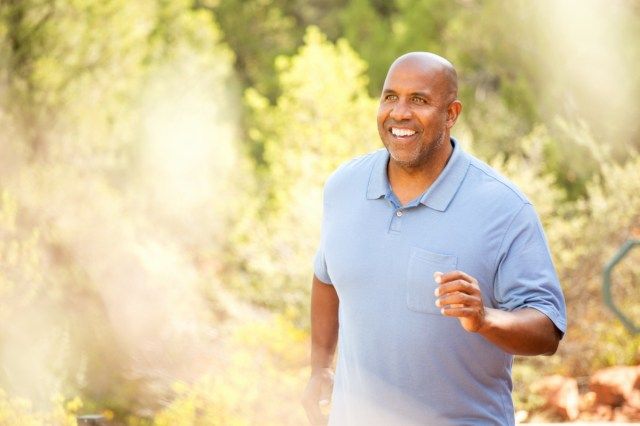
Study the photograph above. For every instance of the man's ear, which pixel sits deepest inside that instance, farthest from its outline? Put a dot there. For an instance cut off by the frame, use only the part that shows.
(453, 111)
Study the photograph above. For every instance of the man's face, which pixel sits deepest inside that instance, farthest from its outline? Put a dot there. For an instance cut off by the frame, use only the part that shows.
(412, 116)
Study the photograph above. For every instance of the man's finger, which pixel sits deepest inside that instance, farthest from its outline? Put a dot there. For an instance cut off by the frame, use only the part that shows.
(312, 409)
(460, 312)
(452, 275)
(315, 416)
(456, 286)
(457, 298)
(317, 395)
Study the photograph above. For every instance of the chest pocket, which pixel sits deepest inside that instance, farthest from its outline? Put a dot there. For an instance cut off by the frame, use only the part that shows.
(420, 283)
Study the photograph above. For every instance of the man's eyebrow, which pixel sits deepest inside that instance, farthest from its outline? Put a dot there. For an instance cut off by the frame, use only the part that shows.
(422, 94)
(418, 93)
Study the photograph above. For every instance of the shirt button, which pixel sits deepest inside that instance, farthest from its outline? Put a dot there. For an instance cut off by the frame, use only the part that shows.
(399, 213)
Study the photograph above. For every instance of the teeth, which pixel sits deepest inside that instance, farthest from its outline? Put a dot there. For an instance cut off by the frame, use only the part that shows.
(402, 132)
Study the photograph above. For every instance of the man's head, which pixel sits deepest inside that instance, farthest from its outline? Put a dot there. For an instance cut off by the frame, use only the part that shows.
(418, 107)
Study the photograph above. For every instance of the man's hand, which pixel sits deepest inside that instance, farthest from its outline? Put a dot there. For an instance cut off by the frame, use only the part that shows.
(318, 394)
(524, 331)
(459, 296)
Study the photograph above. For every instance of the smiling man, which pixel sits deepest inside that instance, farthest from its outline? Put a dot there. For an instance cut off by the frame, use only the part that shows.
(432, 272)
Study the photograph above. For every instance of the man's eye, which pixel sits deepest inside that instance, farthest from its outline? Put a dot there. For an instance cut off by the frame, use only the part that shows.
(391, 98)
(418, 100)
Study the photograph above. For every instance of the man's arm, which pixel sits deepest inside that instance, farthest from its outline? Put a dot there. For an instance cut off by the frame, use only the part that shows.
(524, 331)
(324, 337)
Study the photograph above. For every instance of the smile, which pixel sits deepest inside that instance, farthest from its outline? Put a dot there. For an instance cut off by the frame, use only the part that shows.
(400, 132)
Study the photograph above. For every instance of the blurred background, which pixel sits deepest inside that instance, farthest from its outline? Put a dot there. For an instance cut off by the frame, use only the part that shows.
(161, 171)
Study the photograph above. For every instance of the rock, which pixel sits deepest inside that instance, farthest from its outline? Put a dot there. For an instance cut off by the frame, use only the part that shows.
(614, 385)
(604, 412)
(561, 395)
(633, 399)
(521, 416)
(619, 416)
(631, 407)
(631, 413)
(587, 402)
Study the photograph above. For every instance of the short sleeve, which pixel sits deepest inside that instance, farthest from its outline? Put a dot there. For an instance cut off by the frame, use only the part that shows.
(319, 263)
(526, 277)
(320, 267)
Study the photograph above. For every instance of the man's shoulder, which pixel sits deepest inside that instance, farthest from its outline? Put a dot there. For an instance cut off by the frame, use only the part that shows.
(356, 170)
(491, 180)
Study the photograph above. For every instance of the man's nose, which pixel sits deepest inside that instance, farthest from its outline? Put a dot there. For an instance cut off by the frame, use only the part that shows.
(400, 111)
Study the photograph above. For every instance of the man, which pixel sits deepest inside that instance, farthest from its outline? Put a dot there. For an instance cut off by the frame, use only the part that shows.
(432, 269)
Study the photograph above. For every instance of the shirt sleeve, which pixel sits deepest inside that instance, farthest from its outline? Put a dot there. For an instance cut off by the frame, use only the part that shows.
(320, 267)
(526, 277)
(319, 263)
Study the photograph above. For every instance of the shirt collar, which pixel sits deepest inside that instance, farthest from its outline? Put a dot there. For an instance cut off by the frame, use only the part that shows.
(439, 194)
(378, 181)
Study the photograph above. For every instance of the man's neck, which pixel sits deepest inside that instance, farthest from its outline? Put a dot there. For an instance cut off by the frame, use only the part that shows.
(408, 183)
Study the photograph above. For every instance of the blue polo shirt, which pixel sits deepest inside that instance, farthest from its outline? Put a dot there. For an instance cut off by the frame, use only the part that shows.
(400, 362)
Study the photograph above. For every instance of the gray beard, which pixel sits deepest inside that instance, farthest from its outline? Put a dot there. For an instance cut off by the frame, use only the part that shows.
(429, 154)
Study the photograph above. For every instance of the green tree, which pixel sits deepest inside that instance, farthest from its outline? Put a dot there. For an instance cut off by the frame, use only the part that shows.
(536, 65)
(55, 50)
(323, 117)
(583, 235)
(117, 132)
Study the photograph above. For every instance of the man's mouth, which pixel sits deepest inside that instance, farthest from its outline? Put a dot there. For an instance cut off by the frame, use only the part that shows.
(401, 132)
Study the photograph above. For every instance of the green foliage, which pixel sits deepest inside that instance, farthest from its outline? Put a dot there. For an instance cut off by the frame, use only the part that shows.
(583, 235)
(273, 32)
(259, 31)
(610, 215)
(323, 117)
(53, 52)
(533, 66)
(368, 30)
(127, 211)
(101, 234)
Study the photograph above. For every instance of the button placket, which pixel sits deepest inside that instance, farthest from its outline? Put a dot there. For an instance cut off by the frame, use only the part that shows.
(396, 220)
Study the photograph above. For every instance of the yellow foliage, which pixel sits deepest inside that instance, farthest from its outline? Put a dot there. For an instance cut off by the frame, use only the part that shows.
(260, 383)
(21, 274)
(19, 412)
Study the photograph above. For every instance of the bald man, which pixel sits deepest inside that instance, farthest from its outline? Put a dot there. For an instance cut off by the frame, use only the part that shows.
(432, 272)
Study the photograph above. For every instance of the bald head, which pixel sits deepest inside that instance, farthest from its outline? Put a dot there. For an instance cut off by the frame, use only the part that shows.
(441, 72)
(418, 107)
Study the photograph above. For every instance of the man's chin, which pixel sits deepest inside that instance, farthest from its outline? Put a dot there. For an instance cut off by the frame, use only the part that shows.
(403, 160)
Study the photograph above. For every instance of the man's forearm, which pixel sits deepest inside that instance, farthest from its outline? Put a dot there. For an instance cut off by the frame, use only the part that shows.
(525, 331)
(324, 324)
(321, 358)
(522, 332)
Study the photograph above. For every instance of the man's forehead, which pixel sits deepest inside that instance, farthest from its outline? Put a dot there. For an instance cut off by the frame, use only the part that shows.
(413, 75)
(425, 60)
(421, 71)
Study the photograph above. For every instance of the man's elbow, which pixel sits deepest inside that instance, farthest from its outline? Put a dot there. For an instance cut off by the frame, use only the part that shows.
(552, 349)
(553, 343)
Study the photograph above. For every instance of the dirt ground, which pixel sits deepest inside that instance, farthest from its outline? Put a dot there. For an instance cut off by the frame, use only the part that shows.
(579, 424)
